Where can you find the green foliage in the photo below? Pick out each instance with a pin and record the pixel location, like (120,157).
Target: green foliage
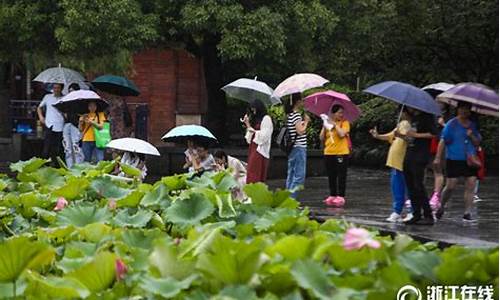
(205,245)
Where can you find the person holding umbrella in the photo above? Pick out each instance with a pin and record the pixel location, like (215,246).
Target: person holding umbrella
(72,135)
(87,123)
(420,106)
(53,120)
(259,131)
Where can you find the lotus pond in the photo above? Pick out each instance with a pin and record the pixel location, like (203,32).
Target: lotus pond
(79,233)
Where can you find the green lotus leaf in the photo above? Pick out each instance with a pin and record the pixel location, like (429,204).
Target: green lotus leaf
(77,249)
(157,221)
(28,166)
(46,215)
(4,183)
(71,264)
(311,276)
(81,216)
(225,181)
(165,261)
(342,259)
(132,199)
(106,188)
(140,238)
(292,247)
(158,196)
(201,239)
(106,167)
(278,220)
(229,261)
(97,275)
(55,287)
(461,266)
(7,289)
(56,234)
(138,220)
(166,287)
(174,183)
(259,193)
(189,211)
(27,201)
(420,264)
(94,232)
(19,254)
(73,188)
(237,292)
(225,205)
(130,171)
(277,278)
(48,177)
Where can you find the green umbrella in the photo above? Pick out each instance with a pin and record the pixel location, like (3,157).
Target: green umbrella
(116,85)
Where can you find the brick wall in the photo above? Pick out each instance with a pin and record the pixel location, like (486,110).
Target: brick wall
(171,82)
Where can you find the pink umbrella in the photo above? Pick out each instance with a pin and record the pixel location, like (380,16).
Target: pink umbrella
(321,103)
(298,83)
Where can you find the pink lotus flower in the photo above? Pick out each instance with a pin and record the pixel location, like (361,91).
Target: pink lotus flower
(60,204)
(120,269)
(357,238)
(177,241)
(112,204)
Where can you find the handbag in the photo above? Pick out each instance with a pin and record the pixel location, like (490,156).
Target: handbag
(102,136)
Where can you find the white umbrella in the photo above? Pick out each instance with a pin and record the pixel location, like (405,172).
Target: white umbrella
(249,89)
(61,75)
(298,83)
(133,145)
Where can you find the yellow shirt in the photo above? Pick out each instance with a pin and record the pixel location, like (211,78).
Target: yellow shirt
(397,151)
(334,144)
(88,131)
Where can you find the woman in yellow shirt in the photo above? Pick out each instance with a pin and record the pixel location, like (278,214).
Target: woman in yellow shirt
(87,123)
(335,137)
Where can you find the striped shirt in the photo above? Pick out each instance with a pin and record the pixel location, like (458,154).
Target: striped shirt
(300,139)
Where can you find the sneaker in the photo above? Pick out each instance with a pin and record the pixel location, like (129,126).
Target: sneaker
(408,217)
(467,218)
(339,201)
(412,221)
(477,199)
(394,218)
(330,200)
(435,202)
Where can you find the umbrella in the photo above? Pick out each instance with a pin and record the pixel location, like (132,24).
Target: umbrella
(133,145)
(116,85)
(406,94)
(185,132)
(249,89)
(77,102)
(298,83)
(483,99)
(437,88)
(60,75)
(321,103)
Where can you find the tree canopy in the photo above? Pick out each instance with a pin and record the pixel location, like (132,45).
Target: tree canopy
(414,41)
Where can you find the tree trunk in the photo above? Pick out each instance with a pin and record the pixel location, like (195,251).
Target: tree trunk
(5,130)
(216,114)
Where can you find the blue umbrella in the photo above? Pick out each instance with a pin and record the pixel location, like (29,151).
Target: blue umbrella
(189,132)
(406,94)
(116,85)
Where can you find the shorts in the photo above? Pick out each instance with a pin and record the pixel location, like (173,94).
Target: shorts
(459,168)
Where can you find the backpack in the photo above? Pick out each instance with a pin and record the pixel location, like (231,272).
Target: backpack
(284,139)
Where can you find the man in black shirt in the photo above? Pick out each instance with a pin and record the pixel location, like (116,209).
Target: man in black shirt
(416,159)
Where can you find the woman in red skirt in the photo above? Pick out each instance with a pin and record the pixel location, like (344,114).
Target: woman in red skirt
(259,133)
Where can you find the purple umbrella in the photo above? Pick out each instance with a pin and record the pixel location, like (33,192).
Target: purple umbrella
(298,83)
(483,99)
(321,103)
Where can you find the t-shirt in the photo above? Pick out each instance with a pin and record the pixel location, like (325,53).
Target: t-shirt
(397,151)
(88,130)
(334,144)
(53,117)
(458,144)
(300,139)
(419,148)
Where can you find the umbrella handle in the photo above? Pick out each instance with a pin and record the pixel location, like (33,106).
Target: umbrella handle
(400,113)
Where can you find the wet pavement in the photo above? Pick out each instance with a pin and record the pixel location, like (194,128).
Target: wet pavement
(368,203)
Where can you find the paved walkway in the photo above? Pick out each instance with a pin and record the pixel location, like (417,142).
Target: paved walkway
(368,202)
